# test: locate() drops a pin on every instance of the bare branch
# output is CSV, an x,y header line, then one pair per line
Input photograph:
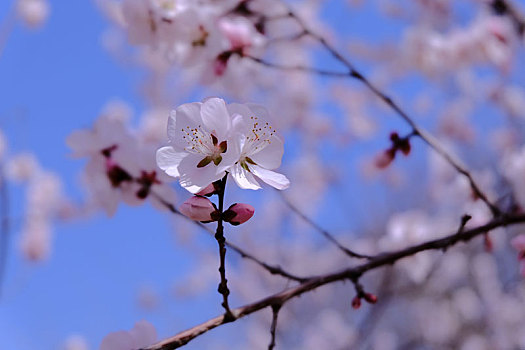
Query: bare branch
x,y
353,273
275,313
354,73
273,269
219,236
324,232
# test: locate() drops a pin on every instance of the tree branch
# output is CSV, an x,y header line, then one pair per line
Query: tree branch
x,y
354,73
353,273
275,313
272,269
219,236
324,232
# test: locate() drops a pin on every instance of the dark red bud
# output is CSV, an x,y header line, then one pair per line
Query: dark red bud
x,y
356,302
370,298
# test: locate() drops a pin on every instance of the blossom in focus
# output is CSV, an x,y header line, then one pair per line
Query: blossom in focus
x,y
141,335
203,143
199,209
211,138
261,150
238,213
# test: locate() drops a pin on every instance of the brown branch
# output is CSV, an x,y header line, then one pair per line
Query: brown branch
x,y
353,273
354,73
299,68
506,8
273,328
324,232
219,236
272,269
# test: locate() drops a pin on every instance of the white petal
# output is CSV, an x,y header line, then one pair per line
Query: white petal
x,y
194,189
216,117
190,175
237,108
259,111
270,156
186,115
81,142
279,181
168,160
243,178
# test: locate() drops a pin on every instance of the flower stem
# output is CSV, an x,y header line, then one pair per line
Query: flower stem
x,y
219,236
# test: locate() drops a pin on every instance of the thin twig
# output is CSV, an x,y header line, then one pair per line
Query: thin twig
x,y
296,67
321,230
354,73
353,273
272,269
219,236
273,328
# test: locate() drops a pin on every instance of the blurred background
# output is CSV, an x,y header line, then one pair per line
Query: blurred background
x,y
454,66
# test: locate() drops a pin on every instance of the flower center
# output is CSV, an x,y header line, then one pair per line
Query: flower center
x,y
198,141
258,138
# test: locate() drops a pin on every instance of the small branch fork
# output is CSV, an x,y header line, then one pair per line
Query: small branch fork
x,y
353,274
354,73
272,269
273,328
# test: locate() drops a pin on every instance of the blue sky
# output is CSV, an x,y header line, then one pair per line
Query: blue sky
x,y
55,80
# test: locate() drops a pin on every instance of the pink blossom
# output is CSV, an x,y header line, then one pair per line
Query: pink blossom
x,y
198,208
141,335
238,213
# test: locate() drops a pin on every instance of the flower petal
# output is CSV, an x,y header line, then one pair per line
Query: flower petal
x,y
192,177
216,117
243,178
168,160
186,115
270,156
279,181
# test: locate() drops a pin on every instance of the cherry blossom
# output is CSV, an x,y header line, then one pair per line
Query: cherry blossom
x,y
209,139
199,209
204,144
238,213
141,335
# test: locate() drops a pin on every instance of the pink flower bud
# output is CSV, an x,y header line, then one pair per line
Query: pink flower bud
x,y
384,159
371,298
199,209
207,191
238,213
356,302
